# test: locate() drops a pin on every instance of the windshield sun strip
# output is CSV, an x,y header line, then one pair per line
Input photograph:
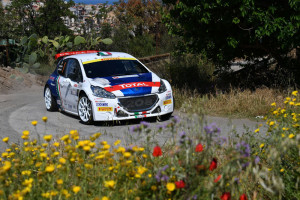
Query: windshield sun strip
x,y
106,59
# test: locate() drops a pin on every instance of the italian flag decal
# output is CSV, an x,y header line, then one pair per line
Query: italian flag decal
x,y
105,54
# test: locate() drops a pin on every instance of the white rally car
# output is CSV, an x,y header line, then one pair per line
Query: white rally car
x,y
105,86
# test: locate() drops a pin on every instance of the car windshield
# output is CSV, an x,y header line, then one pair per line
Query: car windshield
x,y
113,68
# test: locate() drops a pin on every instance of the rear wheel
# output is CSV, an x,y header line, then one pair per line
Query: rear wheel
x,y
85,110
50,102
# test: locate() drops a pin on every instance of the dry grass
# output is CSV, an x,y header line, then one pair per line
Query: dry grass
x,y
235,103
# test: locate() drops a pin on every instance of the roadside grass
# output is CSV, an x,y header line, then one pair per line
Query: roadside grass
x,y
235,103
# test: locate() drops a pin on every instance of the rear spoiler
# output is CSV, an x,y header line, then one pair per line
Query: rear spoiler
x,y
74,53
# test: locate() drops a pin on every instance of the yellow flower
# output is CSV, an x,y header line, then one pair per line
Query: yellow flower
x,y
86,148
6,139
34,123
283,111
126,154
27,182
45,118
88,166
59,181
291,135
153,188
141,149
106,147
261,145
48,138
272,123
257,130
120,150
283,135
282,170
117,142
65,137
105,198
292,103
56,144
26,173
103,142
109,184
144,155
56,153
62,160
45,145
273,104
6,166
43,155
50,168
46,195
141,169
170,187
66,193
76,189
26,133
294,93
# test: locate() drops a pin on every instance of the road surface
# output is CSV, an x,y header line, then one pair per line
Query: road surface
x,y
19,108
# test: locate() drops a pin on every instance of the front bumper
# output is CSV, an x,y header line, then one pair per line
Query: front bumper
x,y
112,109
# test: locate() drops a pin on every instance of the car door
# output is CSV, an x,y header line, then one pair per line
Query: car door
x,y
70,85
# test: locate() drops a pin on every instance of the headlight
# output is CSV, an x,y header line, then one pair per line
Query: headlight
x,y
162,87
100,92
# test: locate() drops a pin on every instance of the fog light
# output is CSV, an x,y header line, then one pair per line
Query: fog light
x,y
121,113
156,110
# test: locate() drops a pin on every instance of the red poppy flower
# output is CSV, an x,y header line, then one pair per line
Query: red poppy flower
x,y
243,197
226,196
157,151
213,164
199,148
218,178
180,184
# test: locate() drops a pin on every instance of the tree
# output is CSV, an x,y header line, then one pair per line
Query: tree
x,y
51,17
248,29
139,16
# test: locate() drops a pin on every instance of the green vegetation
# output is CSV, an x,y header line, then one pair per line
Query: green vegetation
x,y
225,30
196,163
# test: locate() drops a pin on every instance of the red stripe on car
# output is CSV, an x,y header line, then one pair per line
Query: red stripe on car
x,y
132,85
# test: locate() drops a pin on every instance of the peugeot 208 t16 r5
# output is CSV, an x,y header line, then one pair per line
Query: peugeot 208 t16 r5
x,y
105,86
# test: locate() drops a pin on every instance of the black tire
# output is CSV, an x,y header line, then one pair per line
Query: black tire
x,y
50,101
85,110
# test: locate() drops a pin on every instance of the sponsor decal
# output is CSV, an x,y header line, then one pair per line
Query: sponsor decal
x,y
105,109
99,101
168,96
75,85
106,59
115,77
101,104
132,85
167,102
52,78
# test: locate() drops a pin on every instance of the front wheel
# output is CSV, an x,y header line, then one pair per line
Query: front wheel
x,y
85,110
50,102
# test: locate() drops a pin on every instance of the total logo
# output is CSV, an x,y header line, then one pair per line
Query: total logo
x,y
130,85
101,104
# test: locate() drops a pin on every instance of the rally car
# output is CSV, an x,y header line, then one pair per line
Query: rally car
x,y
105,86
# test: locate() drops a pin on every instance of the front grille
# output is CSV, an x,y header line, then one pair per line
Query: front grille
x,y
137,104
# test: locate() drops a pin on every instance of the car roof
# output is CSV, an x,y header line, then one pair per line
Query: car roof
x,y
96,56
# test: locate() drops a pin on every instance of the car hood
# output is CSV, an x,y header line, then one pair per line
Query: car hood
x,y
129,85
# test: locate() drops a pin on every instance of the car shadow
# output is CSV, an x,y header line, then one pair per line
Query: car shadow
x,y
118,122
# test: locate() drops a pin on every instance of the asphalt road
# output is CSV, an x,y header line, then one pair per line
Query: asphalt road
x,y
19,108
